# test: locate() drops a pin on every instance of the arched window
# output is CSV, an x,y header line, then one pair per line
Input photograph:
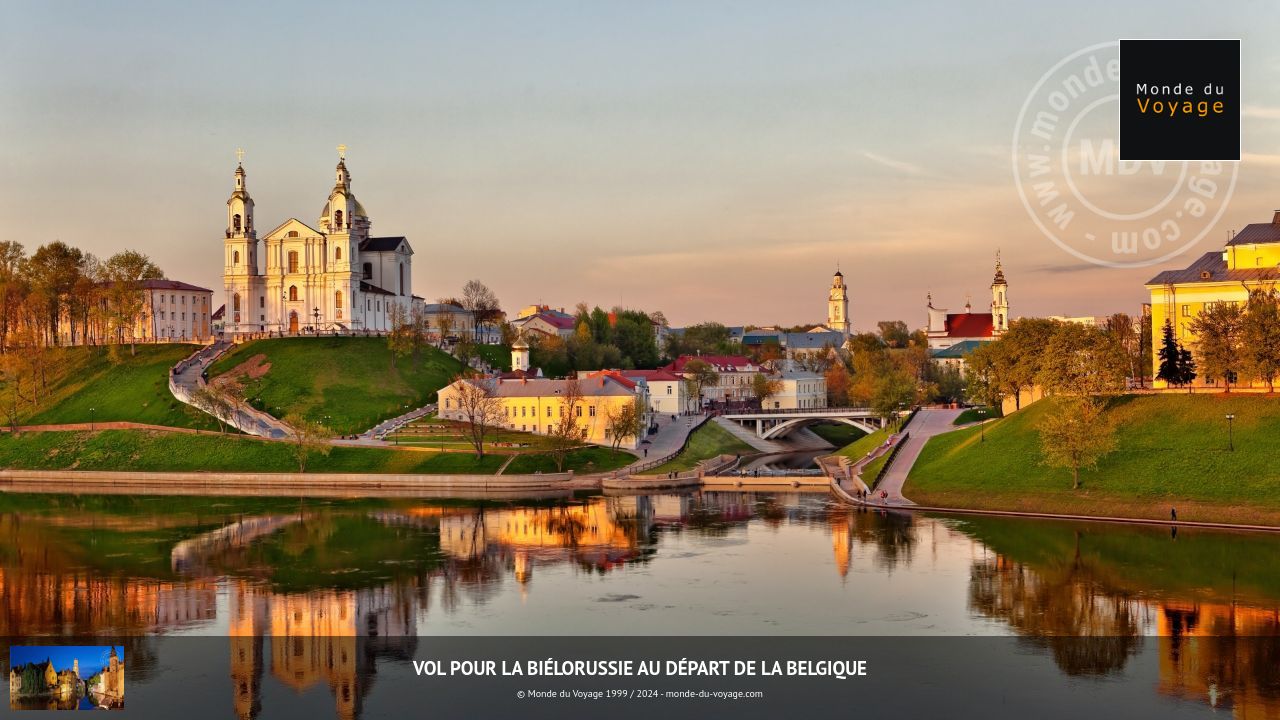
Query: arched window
x,y
235,302
235,257
293,293
401,278
293,261
337,219
337,253
368,271
235,222
337,299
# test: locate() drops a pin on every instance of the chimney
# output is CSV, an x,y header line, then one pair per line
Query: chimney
x,y
1275,219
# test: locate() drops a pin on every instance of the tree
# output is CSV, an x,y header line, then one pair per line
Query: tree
x,y
565,433
1120,327
1075,435
894,391
698,375
981,382
894,333
13,288
837,385
126,297
53,270
764,387
1260,336
214,403
1170,356
479,407
481,302
309,438
627,420
1081,360
1218,347
1186,367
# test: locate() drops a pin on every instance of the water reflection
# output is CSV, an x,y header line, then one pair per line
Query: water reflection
x,y
316,593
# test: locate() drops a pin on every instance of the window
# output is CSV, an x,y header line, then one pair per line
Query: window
x,y
337,253
548,411
1186,311
337,299
262,301
591,411
235,222
367,271
293,293
401,278
235,302
235,258
337,219
293,261
579,411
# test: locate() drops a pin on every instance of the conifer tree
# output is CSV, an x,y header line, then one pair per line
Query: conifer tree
x,y
1170,356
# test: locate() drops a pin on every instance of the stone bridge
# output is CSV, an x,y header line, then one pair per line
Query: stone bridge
x,y
773,424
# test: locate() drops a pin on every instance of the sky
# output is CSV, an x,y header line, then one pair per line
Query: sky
x,y
712,160
92,657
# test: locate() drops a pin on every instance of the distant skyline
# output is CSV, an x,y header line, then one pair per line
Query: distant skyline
x,y
93,658
711,160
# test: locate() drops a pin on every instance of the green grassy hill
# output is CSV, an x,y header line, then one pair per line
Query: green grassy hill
x,y
1171,450
132,388
347,384
706,442
149,451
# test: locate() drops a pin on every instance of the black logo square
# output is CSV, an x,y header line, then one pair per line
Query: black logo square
x,y
1180,100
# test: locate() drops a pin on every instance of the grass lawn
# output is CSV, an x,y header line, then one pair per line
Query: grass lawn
x,y
1171,451
838,434
498,356
873,467
863,445
159,451
585,460
347,384
972,415
707,441
132,388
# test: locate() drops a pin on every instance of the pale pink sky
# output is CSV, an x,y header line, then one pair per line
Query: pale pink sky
x,y
711,160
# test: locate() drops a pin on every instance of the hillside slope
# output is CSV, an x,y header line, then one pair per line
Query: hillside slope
x,y
347,384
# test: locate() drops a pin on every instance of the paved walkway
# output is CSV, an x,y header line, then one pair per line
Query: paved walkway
x,y
188,376
926,423
669,438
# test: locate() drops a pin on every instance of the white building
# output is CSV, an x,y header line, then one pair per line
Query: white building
x,y
333,277
800,389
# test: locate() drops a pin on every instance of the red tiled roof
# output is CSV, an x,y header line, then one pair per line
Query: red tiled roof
x,y
658,375
969,325
719,362
613,375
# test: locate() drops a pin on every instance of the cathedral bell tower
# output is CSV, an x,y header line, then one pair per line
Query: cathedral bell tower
x,y
241,237
999,301
838,305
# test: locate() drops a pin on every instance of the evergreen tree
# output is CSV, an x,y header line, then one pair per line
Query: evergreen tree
x,y
1170,357
1186,371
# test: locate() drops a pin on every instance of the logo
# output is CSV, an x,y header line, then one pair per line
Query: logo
x,y
1083,196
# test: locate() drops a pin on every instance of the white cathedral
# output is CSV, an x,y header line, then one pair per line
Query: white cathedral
x,y
336,278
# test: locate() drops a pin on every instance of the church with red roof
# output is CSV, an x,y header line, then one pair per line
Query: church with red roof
x,y
946,329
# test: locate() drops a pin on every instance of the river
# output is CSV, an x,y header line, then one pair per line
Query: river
x,y
702,563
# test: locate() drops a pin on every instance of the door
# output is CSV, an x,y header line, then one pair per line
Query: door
x,y
293,322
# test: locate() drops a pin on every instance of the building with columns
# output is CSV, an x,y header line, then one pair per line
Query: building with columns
x,y
334,277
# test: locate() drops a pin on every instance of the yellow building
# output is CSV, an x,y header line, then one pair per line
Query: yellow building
x,y
1248,261
537,404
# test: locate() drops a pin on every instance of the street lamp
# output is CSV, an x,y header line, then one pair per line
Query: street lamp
x,y
315,326
91,419
1231,445
982,426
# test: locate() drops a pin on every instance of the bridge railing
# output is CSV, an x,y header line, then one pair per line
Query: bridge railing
x,y
802,411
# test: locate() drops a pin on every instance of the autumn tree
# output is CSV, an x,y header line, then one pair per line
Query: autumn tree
x,y
624,421
1081,360
1076,435
565,433
764,387
1260,336
698,376
479,408
308,438
1219,347
837,377
123,275
481,302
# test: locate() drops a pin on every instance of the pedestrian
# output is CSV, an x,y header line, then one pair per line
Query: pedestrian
x,y
1173,513
646,452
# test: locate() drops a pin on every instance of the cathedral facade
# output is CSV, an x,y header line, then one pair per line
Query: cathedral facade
x,y
334,277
